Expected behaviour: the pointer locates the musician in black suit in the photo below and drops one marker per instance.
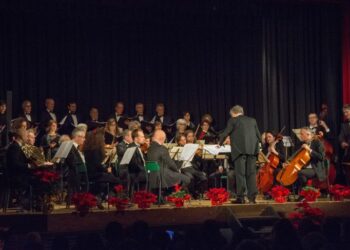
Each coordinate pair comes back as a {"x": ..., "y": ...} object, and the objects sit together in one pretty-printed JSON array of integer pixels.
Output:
[
  {"x": 199, "y": 180},
  {"x": 315, "y": 168},
  {"x": 71, "y": 120},
  {"x": 344, "y": 140},
  {"x": 121, "y": 148},
  {"x": 169, "y": 172},
  {"x": 3, "y": 124},
  {"x": 93, "y": 121},
  {"x": 17, "y": 163},
  {"x": 140, "y": 112},
  {"x": 160, "y": 115},
  {"x": 27, "y": 114},
  {"x": 137, "y": 163},
  {"x": 119, "y": 115},
  {"x": 317, "y": 126},
  {"x": 189, "y": 124},
  {"x": 48, "y": 114},
  {"x": 245, "y": 137},
  {"x": 77, "y": 178}
]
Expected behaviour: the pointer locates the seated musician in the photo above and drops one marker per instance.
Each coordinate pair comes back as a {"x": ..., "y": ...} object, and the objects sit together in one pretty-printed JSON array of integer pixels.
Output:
[
  {"x": 317, "y": 126},
  {"x": 315, "y": 168},
  {"x": 186, "y": 115},
  {"x": 275, "y": 146},
  {"x": 112, "y": 132},
  {"x": 17, "y": 163},
  {"x": 169, "y": 172},
  {"x": 49, "y": 142},
  {"x": 3, "y": 124},
  {"x": 121, "y": 148},
  {"x": 77, "y": 177},
  {"x": 134, "y": 125},
  {"x": 180, "y": 129},
  {"x": 199, "y": 181},
  {"x": 205, "y": 134},
  {"x": 98, "y": 171},
  {"x": 136, "y": 167},
  {"x": 190, "y": 138},
  {"x": 344, "y": 140},
  {"x": 225, "y": 167}
]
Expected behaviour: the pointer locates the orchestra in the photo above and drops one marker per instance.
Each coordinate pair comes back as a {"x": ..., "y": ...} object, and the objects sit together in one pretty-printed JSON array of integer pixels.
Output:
[{"x": 98, "y": 147}]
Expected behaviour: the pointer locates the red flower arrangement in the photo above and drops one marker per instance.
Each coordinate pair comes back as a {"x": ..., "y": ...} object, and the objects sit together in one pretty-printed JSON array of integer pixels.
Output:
[
  {"x": 178, "y": 197},
  {"x": 120, "y": 200},
  {"x": 310, "y": 193},
  {"x": 144, "y": 199},
  {"x": 279, "y": 194},
  {"x": 304, "y": 210},
  {"x": 217, "y": 196},
  {"x": 47, "y": 176},
  {"x": 83, "y": 202},
  {"x": 339, "y": 192}
]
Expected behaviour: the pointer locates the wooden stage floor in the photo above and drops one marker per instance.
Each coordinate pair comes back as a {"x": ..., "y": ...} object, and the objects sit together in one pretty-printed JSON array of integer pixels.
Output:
[{"x": 193, "y": 213}]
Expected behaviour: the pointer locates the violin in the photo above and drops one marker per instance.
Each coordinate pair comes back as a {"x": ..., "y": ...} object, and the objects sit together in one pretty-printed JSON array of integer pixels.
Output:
[
  {"x": 265, "y": 177},
  {"x": 144, "y": 148}
]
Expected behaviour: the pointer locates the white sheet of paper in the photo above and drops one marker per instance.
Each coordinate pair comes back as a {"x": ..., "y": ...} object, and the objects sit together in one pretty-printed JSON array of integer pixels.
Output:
[
  {"x": 63, "y": 151},
  {"x": 175, "y": 153},
  {"x": 215, "y": 150},
  {"x": 188, "y": 152},
  {"x": 128, "y": 155}
]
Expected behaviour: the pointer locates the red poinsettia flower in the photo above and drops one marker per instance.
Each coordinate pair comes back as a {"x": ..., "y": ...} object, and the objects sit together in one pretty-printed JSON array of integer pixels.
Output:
[
  {"x": 144, "y": 199},
  {"x": 83, "y": 202},
  {"x": 118, "y": 188},
  {"x": 279, "y": 194},
  {"x": 217, "y": 196}
]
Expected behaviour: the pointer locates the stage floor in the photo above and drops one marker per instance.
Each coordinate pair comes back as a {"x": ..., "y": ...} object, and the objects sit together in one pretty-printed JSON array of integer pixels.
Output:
[{"x": 193, "y": 213}]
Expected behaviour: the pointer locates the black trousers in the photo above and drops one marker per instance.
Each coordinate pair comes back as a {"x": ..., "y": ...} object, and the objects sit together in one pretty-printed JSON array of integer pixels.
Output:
[
  {"x": 199, "y": 180},
  {"x": 245, "y": 171},
  {"x": 77, "y": 182},
  {"x": 304, "y": 175}
]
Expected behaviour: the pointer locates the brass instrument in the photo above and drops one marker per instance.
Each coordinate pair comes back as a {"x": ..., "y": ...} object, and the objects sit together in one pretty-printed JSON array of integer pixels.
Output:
[{"x": 33, "y": 154}]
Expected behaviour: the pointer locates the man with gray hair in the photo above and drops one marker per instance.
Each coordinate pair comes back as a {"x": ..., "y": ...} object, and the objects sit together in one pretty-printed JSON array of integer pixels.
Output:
[
  {"x": 77, "y": 178},
  {"x": 245, "y": 137}
]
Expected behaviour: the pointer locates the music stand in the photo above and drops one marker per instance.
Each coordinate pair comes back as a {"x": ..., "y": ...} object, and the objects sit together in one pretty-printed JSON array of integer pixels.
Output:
[{"x": 60, "y": 157}]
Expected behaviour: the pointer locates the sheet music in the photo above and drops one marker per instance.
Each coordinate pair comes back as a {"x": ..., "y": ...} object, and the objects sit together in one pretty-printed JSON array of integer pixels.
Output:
[
  {"x": 175, "y": 153},
  {"x": 296, "y": 131},
  {"x": 128, "y": 155},
  {"x": 63, "y": 151},
  {"x": 215, "y": 150},
  {"x": 188, "y": 152}
]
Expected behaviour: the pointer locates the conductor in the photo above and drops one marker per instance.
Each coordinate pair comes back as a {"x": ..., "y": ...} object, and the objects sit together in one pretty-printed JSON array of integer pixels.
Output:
[{"x": 245, "y": 137}]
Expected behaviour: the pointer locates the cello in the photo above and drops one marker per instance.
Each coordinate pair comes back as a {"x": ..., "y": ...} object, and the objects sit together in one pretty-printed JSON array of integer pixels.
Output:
[
  {"x": 289, "y": 174},
  {"x": 265, "y": 177}
]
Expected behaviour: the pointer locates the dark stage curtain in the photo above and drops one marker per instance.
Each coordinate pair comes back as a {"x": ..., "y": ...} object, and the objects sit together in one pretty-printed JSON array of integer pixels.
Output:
[
  {"x": 279, "y": 62},
  {"x": 346, "y": 54}
]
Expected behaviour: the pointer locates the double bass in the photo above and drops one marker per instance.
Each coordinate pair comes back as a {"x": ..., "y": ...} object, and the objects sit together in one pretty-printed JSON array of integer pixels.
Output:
[{"x": 265, "y": 177}]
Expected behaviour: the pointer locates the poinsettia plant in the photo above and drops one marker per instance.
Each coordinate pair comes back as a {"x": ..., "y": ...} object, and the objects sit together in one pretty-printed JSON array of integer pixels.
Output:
[
  {"x": 279, "y": 194},
  {"x": 120, "y": 199},
  {"x": 217, "y": 196},
  {"x": 83, "y": 202},
  {"x": 304, "y": 210},
  {"x": 45, "y": 185},
  {"x": 339, "y": 192},
  {"x": 310, "y": 193},
  {"x": 144, "y": 199},
  {"x": 178, "y": 197}
]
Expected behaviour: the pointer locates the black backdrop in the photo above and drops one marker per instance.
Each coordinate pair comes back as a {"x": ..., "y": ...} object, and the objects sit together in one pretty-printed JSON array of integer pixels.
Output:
[{"x": 278, "y": 61}]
